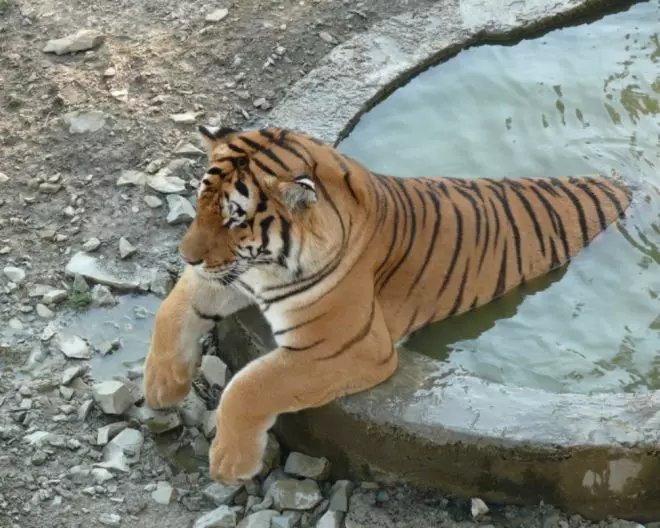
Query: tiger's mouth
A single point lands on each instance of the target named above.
(223, 273)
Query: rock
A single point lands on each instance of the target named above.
(83, 40)
(340, 493)
(330, 519)
(209, 425)
(327, 37)
(193, 409)
(222, 517)
(181, 210)
(292, 494)
(157, 422)
(73, 347)
(301, 465)
(164, 493)
(36, 438)
(113, 397)
(188, 149)
(126, 249)
(66, 392)
(184, 118)
(102, 296)
(101, 475)
(3, 178)
(44, 312)
(49, 188)
(220, 494)
(84, 409)
(152, 201)
(72, 372)
(16, 275)
(217, 15)
(182, 168)
(108, 432)
(132, 177)
(166, 184)
(110, 519)
(110, 72)
(161, 282)
(260, 519)
(478, 508)
(289, 519)
(214, 370)
(272, 455)
(87, 266)
(123, 450)
(261, 103)
(91, 245)
(80, 284)
(83, 122)
(54, 296)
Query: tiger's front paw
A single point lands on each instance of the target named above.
(236, 458)
(166, 380)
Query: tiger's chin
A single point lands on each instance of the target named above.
(219, 275)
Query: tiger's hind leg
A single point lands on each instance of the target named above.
(189, 311)
(287, 381)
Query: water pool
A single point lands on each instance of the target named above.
(577, 100)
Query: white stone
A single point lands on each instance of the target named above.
(259, 519)
(72, 373)
(180, 210)
(112, 396)
(217, 15)
(153, 201)
(157, 422)
(292, 494)
(301, 465)
(102, 296)
(3, 177)
(87, 266)
(209, 424)
(74, 347)
(82, 40)
(16, 275)
(83, 122)
(164, 493)
(220, 494)
(91, 245)
(184, 118)
(126, 249)
(54, 296)
(108, 432)
(123, 450)
(192, 409)
(478, 508)
(187, 149)
(44, 312)
(330, 519)
(110, 519)
(132, 177)
(164, 184)
(222, 517)
(214, 370)
(101, 475)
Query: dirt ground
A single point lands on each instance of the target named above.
(58, 190)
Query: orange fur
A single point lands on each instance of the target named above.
(344, 263)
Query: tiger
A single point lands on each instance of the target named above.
(344, 263)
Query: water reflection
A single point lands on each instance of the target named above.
(578, 100)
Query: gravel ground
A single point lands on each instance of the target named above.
(98, 166)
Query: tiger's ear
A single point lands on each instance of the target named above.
(212, 134)
(299, 194)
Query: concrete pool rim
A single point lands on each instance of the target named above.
(596, 455)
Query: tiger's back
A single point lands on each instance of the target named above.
(457, 244)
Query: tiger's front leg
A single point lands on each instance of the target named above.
(287, 381)
(189, 311)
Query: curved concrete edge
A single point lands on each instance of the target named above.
(360, 72)
(594, 455)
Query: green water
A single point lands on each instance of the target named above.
(577, 100)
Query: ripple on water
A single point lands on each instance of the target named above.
(577, 100)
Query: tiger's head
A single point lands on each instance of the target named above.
(255, 204)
